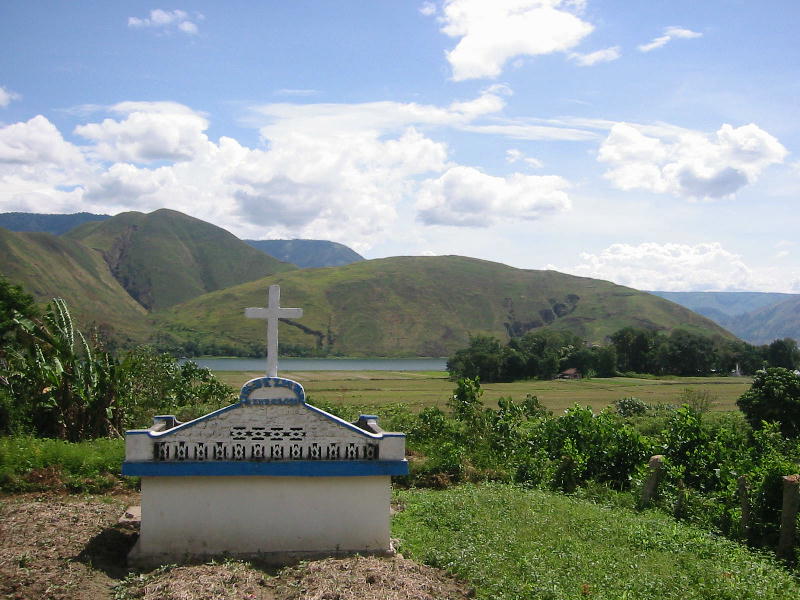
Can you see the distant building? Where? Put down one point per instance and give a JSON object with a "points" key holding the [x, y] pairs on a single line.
{"points": [[572, 373]]}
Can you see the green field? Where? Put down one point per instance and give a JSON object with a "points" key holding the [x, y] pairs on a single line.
{"points": [[421, 389], [510, 543]]}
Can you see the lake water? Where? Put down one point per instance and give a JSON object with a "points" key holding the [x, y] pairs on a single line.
{"points": [[325, 364]]}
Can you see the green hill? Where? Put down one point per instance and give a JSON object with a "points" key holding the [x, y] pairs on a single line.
{"points": [[308, 253], [47, 266], [424, 306], [165, 257]]}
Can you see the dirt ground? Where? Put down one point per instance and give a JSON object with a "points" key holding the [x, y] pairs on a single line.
{"points": [[63, 547]]}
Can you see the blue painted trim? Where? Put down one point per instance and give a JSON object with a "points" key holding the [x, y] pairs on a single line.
{"points": [[271, 382], [299, 468]]}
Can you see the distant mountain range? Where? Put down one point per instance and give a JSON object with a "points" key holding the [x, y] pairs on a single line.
{"points": [[302, 253], [756, 317], [177, 281], [308, 253], [55, 224]]}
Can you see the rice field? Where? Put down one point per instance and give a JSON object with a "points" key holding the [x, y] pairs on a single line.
{"points": [[419, 389]]}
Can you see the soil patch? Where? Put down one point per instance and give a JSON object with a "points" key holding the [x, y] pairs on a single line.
{"points": [[63, 547], [363, 578]]}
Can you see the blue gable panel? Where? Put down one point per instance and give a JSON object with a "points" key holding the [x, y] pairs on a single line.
{"points": [[300, 468]]}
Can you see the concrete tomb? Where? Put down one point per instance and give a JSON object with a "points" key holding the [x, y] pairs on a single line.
{"points": [[269, 477]]}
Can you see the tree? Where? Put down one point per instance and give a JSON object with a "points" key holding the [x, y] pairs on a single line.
{"points": [[783, 353], [634, 348], [774, 396], [686, 353], [483, 358], [13, 301]]}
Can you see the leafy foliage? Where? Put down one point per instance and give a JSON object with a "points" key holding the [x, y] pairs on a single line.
{"points": [[773, 397], [56, 383]]}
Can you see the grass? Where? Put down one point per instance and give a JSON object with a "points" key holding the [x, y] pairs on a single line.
{"points": [[432, 388], [33, 464], [510, 542]]}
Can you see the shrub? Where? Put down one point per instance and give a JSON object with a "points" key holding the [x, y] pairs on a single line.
{"points": [[631, 407], [773, 396]]}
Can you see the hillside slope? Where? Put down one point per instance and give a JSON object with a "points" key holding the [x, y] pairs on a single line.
{"points": [[772, 322], [49, 266], [165, 257], [424, 306], [308, 253]]}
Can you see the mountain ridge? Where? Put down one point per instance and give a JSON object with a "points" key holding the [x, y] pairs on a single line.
{"points": [[164, 257], [424, 306]]}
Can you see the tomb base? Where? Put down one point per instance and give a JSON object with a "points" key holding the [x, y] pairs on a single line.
{"points": [[275, 520]]}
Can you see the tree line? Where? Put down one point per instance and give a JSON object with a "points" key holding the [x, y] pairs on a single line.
{"points": [[545, 354]]}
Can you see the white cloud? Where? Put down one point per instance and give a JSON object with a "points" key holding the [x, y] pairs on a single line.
{"points": [[7, 96], [331, 171], [469, 115], [492, 33], [670, 33], [331, 119], [150, 131], [514, 156], [599, 56], [669, 267], [531, 132], [688, 163], [428, 9], [166, 20], [36, 142], [464, 196]]}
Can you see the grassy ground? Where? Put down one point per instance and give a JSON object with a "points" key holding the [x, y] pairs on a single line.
{"points": [[512, 543], [421, 389]]}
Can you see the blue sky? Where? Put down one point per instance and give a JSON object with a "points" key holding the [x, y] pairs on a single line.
{"points": [[653, 144]]}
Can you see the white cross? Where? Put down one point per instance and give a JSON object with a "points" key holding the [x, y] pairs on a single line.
{"points": [[272, 313]]}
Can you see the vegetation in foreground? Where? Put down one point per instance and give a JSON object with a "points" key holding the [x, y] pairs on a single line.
{"points": [[510, 543]]}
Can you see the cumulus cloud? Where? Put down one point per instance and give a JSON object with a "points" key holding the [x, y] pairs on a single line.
{"points": [[150, 131], [464, 196], [7, 96], [331, 171], [36, 142], [492, 33], [670, 33], [669, 267], [166, 20], [688, 163], [599, 56]]}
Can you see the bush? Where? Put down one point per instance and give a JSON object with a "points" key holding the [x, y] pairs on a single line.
{"points": [[773, 396], [631, 407]]}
